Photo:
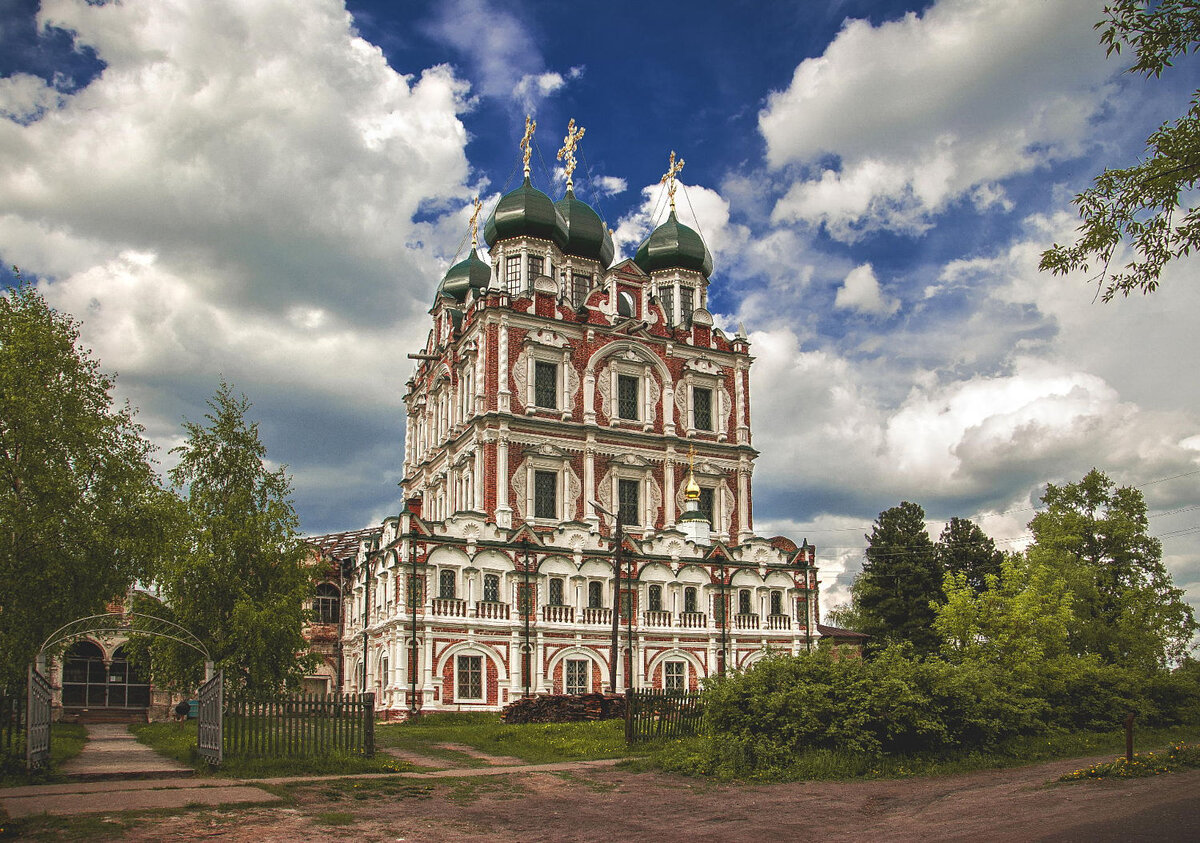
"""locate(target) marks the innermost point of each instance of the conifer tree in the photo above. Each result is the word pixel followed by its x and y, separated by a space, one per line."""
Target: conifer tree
pixel 964 548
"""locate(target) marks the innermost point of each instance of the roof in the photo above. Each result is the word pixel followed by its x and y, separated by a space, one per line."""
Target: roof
pixel 342 545
pixel 838 632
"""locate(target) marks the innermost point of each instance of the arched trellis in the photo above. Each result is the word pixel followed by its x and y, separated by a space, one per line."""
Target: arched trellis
pixel 120 623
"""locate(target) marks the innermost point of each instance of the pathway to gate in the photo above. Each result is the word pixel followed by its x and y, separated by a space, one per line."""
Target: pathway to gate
pixel 112 752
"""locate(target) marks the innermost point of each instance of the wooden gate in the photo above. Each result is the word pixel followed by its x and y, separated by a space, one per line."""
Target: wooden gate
pixel 211 719
pixel 653 715
pixel 37 721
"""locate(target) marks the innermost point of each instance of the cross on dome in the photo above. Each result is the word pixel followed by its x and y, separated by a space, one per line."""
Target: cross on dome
pixel 567 153
pixel 669 177
pixel 477 206
pixel 526 146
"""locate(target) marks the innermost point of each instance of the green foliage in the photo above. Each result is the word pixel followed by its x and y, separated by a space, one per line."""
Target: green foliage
pixel 1020 617
pixel 899 580
pixel 1127 609
pixel 241 579
pixel 1141 205
pixel 1176 757
pixel 81 513
pixel 963 548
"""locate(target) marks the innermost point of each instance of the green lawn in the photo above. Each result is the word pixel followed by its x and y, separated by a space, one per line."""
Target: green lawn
pixel 66 741
pixel 536 743
pixel 178 741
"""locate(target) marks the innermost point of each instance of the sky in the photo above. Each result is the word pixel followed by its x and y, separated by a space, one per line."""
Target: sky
pixel 269 191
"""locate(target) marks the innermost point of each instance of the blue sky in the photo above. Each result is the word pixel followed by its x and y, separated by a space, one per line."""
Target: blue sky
pixel 270 190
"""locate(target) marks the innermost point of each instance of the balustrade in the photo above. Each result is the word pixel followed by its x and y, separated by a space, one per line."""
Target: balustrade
pixel 693 620
pixel 597 616
pixel 657 618
pixel 449 607
pixel 745 621
pixel 492 610
pixel 558 614
pixel 779 622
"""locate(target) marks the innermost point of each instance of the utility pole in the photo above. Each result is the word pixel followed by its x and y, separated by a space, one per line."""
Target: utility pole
pixel 618 539
pixel 526 604
pixel 413 707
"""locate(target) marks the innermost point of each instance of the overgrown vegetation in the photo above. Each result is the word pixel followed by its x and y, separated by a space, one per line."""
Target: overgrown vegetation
pixel 178 741
pixel 1178 756
pixel 536 743
pixel 66 741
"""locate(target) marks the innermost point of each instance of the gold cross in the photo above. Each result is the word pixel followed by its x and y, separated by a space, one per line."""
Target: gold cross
pixel 567 153
pixel 691 458
pixel 526 147
pixel 669 177
pixel 477 206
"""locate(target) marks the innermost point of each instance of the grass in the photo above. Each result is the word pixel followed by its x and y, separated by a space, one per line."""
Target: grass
pixel 66 741
pixel 703 757
pixel 535 743
pixel 1176 757
pixel 334 818
pixel 178 741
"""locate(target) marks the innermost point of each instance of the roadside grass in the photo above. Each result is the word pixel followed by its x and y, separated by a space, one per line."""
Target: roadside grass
pixel 109 826
pixel 706 757
pixel 334 818
pixel 1176 757
pixel 535 743
pixel 178 741
pixel 66 741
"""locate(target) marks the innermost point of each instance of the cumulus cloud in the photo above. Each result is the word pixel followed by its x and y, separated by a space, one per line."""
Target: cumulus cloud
pixel 895 122
pixel 700 208
pixel 231 197
pixel 861 292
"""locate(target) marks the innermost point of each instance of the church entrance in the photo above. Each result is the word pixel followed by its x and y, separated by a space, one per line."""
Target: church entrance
pixel 89 681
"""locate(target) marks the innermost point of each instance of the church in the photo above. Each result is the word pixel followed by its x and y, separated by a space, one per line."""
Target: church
pixel 578 467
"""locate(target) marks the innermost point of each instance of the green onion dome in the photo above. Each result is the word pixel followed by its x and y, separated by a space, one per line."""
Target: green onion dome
pixel 525 211
pixel 587 235
pixel 674 246
pixel 466 275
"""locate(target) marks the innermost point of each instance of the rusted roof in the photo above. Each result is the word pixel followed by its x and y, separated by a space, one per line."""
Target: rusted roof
pixel 838 632
pixel 342 545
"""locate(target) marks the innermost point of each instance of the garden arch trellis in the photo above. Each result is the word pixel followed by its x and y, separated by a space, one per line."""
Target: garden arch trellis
pixel 37 717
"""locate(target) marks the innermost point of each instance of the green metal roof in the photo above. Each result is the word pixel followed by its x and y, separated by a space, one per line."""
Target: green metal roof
pixel 525 211
pixel 587 236
pixel 674 246
pixel 465 275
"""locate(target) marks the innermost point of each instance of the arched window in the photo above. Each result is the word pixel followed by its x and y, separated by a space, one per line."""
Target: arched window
pixel 384 679
pixel 446 584
pixel 491 588
pixel 655 596
pixel 327 605
pixel 84 677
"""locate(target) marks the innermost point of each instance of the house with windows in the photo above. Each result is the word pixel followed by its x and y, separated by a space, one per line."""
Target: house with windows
pixel 557 394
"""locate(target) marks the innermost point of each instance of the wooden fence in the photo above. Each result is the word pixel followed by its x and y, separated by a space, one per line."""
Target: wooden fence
pixel 653 715
pixel 299 725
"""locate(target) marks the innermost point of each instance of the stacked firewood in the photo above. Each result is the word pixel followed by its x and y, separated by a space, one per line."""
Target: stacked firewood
pixel 564 708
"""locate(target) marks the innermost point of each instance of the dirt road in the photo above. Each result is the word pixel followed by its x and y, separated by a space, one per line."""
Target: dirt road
pixel 612 805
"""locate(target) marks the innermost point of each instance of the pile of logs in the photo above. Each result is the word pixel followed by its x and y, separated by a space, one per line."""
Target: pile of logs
pixel 564 708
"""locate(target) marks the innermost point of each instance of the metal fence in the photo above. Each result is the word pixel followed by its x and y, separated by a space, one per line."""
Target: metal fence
pixel 300 725
pixel 12 726
pixel 37 720
pixel 654 715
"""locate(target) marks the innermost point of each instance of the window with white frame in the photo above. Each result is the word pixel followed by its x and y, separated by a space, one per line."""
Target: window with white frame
pixel 491 588
pixel 536 262
pixel 383 672
pixel 512 274
pixel 446 583
pixel 689 599
pixel 666 295
pixel 470 678
pixel 580 284
pixel 545 494
pixel 629 501
pixel 744 607
pixel 686 304
pixel 576 674
pixel 327 603
pixel 545 384
pixel 556 591
pixel 595 595
pixel 629 395
pixel 776 602
pixel 707 504
pixel 674 675
pixel 702 408
pixel 654 597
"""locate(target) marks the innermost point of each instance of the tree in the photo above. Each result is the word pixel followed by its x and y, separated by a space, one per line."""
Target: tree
pixel 81 513
pixel 243 579
pixel 964 548
pixel 899 580
pixel 1141 204
pixel 1127 609
pixel 1019 618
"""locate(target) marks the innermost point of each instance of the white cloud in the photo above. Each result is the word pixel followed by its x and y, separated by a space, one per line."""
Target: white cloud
pixel 235 197
pixel 928 109
pixel 701 208
pixel 861 292
pixel 533 88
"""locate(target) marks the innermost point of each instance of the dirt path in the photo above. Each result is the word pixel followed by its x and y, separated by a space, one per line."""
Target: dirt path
pixel 608 804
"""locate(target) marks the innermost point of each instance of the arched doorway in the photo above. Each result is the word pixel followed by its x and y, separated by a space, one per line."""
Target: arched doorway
pixel 90 681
